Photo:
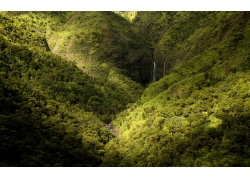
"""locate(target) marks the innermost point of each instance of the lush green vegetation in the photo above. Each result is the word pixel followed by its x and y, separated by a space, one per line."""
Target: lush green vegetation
pixel 129 15
pixel 52 113
pixel 66 75
pixel 101 42
pixel 198 115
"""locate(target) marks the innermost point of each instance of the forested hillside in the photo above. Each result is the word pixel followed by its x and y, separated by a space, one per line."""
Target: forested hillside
pixel 52 112
pixel 77 88
pixel 198 114
pixel 99 43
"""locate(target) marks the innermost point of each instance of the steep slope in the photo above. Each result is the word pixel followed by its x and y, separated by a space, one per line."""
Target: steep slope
pixel 64 75
pixel 46 102
pixel 53 98
pixel 197 115
pixel 101 42
pixel 178 36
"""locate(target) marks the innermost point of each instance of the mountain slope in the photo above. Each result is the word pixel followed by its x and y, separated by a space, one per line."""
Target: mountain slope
pixel 100 42
pixel 45 111
pixel 68 98
pixel 179 36
pixel 197 115
pixel 52 113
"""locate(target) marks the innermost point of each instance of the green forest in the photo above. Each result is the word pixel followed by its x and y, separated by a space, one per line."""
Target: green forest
pixel 125 89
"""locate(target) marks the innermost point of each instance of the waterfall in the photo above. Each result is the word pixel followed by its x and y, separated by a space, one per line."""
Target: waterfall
pixel 154 72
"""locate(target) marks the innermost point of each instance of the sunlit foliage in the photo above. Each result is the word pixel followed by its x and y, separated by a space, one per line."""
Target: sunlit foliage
pixel 67 95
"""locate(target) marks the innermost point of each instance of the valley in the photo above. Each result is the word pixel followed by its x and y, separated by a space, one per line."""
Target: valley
pixel 125 89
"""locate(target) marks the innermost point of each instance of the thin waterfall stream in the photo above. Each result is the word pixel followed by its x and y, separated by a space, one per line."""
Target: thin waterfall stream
pixel 154 72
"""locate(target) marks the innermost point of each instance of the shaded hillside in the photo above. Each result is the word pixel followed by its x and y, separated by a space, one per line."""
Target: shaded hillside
pixel 45 116
pixel 179 36
pixel 52 113
pixel 101 42
pixel 197 115
pixel 66 75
